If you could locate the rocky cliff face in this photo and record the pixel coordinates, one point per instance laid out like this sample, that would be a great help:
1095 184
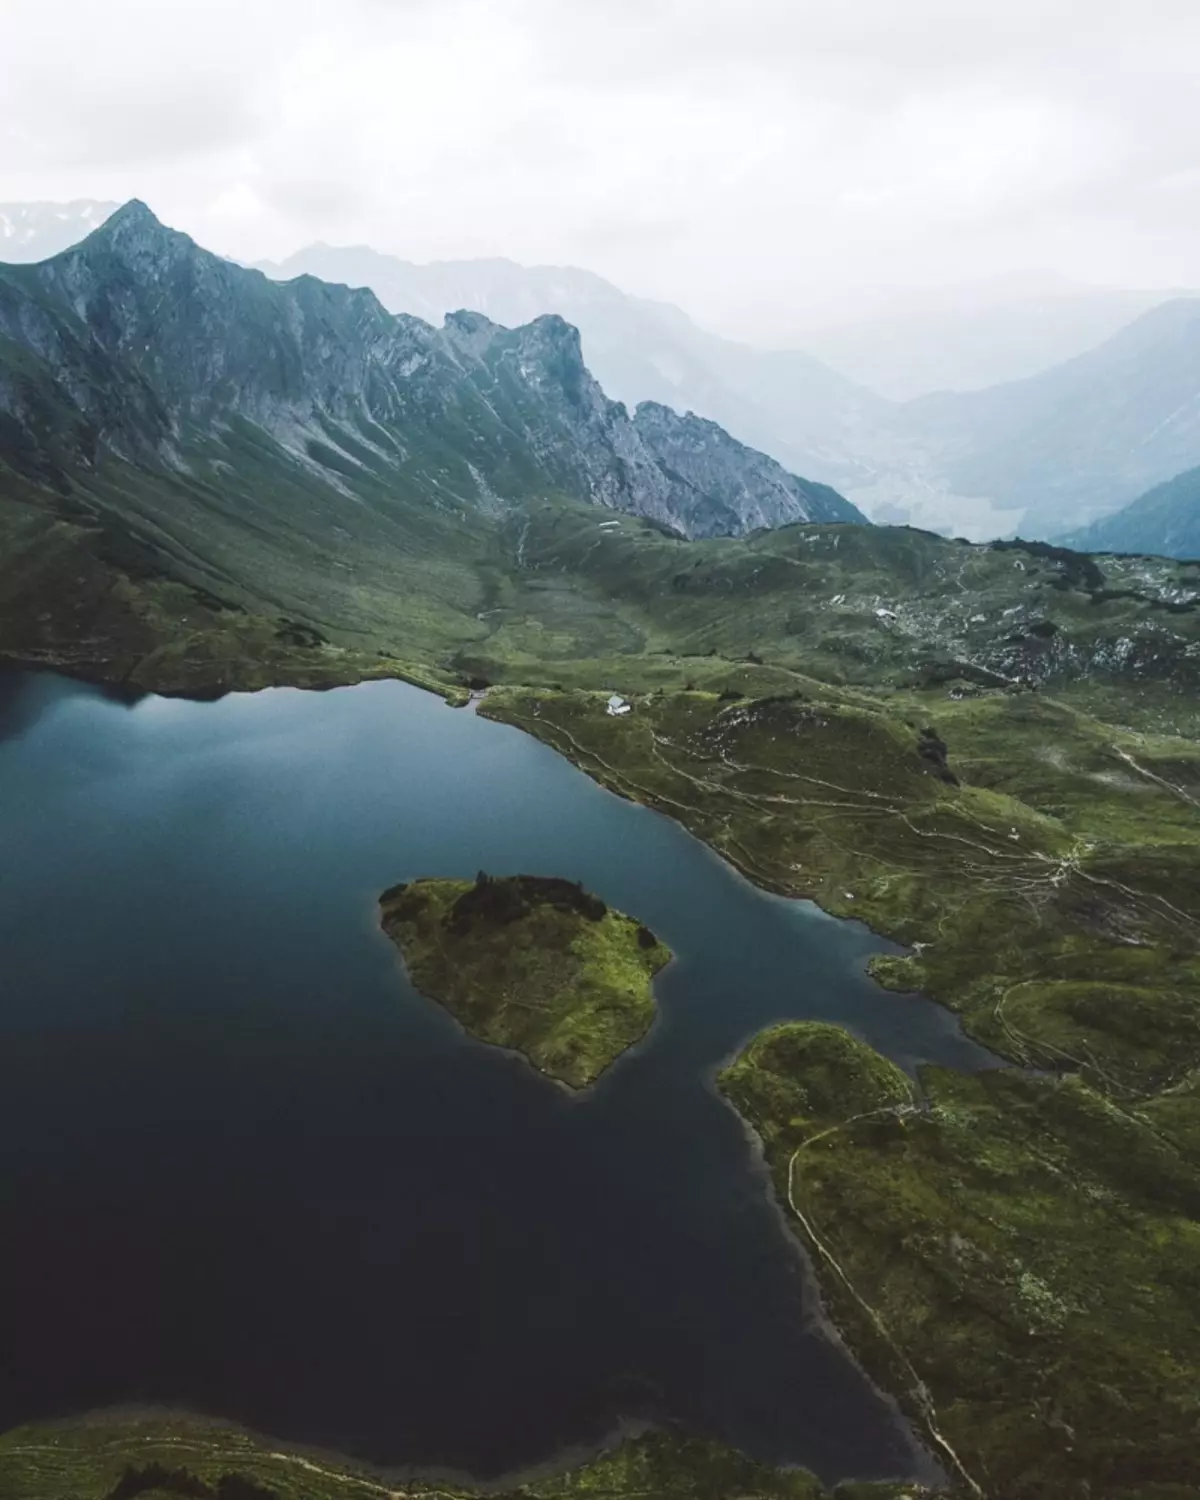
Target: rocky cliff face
140 345
806 415
736 489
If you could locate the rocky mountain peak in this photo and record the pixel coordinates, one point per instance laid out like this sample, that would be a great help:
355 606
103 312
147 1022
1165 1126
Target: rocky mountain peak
470 331
133 213
554 332
551 353
134 232
548 337
466 321
651 412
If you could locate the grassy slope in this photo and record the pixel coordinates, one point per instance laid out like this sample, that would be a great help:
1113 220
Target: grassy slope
65 607
808 599
1020 1256
88 1461
544 593
1054 893
567 985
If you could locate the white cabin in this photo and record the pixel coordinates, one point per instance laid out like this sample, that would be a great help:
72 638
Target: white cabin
618 706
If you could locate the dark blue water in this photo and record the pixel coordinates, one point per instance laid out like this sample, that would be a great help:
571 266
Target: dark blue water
246 1169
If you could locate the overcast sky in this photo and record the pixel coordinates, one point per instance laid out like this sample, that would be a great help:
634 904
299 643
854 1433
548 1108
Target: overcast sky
760 162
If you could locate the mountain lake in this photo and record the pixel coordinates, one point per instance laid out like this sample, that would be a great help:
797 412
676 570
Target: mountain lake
247 1170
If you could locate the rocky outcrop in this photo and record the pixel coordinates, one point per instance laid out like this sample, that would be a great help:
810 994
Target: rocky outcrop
733 488
684 472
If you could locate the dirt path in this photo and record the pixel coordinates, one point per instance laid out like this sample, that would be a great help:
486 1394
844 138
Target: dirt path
918 1390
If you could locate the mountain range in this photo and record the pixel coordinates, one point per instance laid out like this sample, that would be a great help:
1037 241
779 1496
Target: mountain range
786 403
1040 455
1076 442
978 334
1043 456
901 345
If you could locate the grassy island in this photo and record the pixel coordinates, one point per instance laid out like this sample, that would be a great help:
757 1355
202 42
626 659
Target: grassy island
1017 1255
535 964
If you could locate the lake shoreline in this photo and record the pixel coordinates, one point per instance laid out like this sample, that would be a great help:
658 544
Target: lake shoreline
156 725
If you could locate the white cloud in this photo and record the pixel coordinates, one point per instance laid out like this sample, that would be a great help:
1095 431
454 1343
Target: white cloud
759 161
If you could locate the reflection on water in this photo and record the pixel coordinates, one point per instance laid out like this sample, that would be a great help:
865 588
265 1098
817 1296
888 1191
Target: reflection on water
247 1169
